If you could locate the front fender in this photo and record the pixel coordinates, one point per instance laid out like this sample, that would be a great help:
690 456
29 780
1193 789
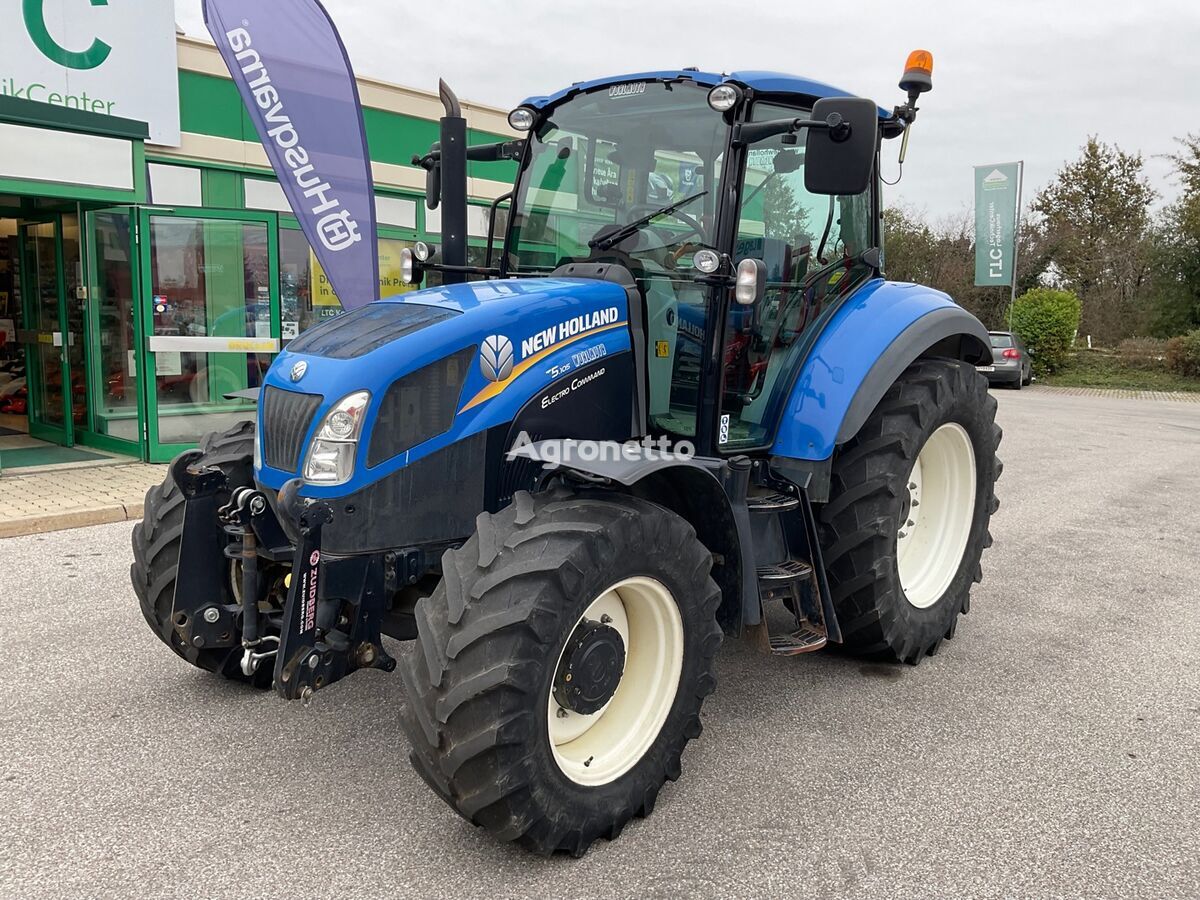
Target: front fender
869 341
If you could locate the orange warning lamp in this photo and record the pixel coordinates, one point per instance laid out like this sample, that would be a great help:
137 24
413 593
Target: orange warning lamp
918 73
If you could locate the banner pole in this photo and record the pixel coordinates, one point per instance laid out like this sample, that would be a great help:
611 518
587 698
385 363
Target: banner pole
1012 298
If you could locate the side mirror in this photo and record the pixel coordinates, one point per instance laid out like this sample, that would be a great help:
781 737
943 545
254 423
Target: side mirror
839 160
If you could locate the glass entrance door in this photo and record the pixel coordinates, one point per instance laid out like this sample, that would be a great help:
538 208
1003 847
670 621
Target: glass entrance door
210 314
114 409
47 337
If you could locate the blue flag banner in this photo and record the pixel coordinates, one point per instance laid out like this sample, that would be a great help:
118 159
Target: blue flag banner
290 66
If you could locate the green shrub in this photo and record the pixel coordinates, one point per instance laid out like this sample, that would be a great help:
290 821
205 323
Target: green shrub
1143 353
1183 354
1047 321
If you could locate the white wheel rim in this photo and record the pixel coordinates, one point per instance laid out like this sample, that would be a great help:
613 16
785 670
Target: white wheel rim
601 747
932 538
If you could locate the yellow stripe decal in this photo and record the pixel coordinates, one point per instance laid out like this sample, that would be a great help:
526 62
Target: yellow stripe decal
497 387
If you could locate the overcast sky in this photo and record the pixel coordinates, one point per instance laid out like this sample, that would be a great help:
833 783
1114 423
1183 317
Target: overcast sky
1018 79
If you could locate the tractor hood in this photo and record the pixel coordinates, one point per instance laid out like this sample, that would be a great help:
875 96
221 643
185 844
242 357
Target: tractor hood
440 364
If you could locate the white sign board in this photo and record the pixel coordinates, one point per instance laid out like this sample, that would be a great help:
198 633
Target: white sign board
112 57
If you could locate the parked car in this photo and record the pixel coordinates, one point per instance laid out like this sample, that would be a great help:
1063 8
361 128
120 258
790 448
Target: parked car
1011 364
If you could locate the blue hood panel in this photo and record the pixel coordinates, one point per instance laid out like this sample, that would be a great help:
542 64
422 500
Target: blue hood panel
547 322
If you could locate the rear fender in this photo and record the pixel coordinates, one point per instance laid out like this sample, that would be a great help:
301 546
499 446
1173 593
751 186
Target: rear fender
871 339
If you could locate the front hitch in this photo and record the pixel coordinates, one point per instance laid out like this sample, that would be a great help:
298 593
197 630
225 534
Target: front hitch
335 607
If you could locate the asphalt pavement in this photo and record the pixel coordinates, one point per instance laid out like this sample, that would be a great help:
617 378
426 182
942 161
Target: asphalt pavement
1051 749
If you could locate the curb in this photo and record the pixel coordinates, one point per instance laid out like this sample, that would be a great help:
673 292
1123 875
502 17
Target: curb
75 518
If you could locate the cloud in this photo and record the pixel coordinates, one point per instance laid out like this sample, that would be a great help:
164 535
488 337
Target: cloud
1019 80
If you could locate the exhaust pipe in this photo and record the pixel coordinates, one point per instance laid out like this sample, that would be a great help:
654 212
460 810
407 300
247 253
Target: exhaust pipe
453 184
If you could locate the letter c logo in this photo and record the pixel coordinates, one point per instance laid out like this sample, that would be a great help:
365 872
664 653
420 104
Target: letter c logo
35 24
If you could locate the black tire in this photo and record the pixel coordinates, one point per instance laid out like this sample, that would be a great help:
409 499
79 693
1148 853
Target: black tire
156 547
1019 383
489 638
868 493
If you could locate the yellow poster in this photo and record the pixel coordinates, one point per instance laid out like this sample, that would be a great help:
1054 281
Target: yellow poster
389 275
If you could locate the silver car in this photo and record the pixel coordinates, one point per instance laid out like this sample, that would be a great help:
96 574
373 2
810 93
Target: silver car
1011 364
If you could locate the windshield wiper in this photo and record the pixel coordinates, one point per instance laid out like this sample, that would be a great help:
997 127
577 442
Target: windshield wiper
615 237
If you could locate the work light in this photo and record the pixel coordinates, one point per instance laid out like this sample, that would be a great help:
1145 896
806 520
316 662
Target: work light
724 97
422 251
521 118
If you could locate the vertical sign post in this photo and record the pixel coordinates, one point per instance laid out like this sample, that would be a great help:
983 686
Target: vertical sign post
997 221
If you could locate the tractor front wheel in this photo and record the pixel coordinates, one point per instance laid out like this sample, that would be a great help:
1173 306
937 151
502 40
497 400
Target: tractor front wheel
157 543
907 520
560 667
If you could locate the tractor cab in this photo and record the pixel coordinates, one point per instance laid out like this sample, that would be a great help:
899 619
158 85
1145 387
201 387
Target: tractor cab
693 183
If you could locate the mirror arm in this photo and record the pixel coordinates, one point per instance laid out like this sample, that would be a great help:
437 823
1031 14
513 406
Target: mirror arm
753 132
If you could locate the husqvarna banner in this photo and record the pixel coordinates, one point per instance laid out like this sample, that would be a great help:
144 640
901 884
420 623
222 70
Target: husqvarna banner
997 196
289 63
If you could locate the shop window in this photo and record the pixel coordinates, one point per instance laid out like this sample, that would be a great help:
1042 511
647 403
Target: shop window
175 185
209 279
306 294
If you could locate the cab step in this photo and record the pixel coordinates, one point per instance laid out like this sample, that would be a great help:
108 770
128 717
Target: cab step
772 502
795 583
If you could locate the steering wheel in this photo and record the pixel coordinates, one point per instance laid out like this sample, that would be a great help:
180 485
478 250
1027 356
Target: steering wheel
687 219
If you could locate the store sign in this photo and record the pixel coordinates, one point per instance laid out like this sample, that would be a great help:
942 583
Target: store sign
112 57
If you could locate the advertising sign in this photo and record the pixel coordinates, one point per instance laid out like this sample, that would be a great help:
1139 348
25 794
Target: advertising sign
997 194
290 67
112 57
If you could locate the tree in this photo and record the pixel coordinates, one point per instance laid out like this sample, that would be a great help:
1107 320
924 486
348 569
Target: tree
1175 305
1096 215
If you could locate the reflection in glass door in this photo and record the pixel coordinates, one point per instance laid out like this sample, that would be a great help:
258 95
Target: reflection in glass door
48 369
210 313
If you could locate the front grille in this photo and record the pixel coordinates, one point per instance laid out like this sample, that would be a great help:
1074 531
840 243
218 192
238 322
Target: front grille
287 416
361 331
419 406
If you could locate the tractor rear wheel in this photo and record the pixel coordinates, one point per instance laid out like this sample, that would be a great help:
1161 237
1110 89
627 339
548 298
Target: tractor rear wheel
907 520
560 666
156 548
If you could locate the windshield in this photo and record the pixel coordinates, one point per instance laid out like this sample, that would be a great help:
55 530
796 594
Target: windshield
610 157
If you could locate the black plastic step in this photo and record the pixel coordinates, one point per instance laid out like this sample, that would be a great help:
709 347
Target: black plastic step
771 503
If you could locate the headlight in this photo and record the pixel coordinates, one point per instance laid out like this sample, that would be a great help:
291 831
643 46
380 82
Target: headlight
257 447
521 118
724 97
331 457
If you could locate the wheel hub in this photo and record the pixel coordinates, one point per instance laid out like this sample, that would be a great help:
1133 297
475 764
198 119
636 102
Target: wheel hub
591 667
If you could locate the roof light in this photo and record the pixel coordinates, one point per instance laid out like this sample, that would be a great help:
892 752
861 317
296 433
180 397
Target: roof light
521 118
918 72
724 97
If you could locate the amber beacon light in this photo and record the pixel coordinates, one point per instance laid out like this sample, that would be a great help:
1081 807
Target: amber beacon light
918 72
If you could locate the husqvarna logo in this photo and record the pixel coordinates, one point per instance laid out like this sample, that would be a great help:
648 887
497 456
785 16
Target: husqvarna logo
496 357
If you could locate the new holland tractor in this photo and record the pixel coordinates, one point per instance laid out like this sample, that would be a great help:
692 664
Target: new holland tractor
676 401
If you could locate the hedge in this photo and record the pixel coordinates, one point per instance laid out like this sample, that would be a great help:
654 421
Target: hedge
1047 320
1183 354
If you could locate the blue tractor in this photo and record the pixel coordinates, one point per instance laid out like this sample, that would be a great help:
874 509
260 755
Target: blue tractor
676 402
